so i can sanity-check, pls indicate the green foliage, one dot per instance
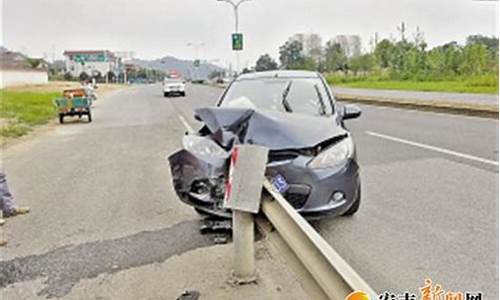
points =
(474, 59)
(487, 84)
(13, 130)
(291, 56)
(404, 64)
(246, 71)
(84, 76)
(265, 63)
(146, 74)
(68, 76)
(383, 53)
(309, 64)
(464, 68)
(335, 58)
(34, 62)
(362, 63)
(491, 43)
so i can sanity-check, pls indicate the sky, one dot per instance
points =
(156, 28)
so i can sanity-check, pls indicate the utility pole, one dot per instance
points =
(402, 30)
(53, 53)
(235, 6)
(374, 42)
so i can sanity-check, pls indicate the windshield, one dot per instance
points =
(173, 80)
(297, 95)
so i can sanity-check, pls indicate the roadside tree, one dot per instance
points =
(265, 63)
(291, 56)
(335, 58)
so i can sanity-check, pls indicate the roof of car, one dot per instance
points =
(278, 74)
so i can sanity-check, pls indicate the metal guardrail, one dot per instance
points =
(331, 273)
(325, 267)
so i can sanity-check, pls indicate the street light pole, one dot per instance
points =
(235, 6)
(235, 9)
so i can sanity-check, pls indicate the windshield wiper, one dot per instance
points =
(284, 101)
(320, 97)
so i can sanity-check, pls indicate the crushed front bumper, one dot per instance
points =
(201, 184)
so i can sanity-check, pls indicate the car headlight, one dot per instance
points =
(334, 156)
(203, 146)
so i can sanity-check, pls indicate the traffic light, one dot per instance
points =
(237, 41)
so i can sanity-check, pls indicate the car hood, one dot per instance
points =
(274, 130)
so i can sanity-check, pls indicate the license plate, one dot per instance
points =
(280, 184)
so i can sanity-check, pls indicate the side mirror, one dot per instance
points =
(351, 111)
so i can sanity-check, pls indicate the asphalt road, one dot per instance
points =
(430, 197)
(430, 202)
(100, 196)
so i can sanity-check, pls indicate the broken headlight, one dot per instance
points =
(203, 146)
(334, 156)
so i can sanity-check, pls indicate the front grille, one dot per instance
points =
(297, 201)
(282, 155)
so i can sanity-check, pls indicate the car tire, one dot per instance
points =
(89, 116)
(61, 118)
(165, 94)
(355, 205)
(183, 94)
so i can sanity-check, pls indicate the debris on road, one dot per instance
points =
(189, 295)
(221, 239)
(214, 226)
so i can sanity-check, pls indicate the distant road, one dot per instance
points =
(424, 96)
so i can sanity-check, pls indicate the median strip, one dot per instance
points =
(454, 107)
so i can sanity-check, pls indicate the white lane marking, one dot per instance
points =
(433, 148)
(186, 124)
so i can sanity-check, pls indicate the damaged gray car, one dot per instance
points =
(312, 157)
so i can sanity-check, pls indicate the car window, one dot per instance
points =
(305, 95)
(173, 81)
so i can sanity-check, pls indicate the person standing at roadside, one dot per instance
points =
(9, 209)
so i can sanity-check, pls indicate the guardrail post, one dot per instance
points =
(243, 196)
(243, 238)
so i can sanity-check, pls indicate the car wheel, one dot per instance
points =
(183, 94)
(61, 118)
(165, 94)
(89, 116)
(355, 205)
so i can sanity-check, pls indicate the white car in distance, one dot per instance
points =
(174, 86)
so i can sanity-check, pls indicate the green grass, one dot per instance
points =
(24, 110)
(486, 84)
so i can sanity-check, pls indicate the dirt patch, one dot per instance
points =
(56, 86)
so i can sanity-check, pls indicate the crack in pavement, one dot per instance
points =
(64, 267)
